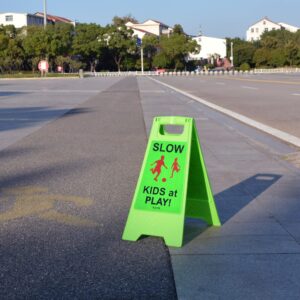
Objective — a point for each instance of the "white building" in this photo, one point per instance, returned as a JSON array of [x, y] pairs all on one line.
[[149, 27], [20, 19], [255, 31], [288, 27], [209, 47]]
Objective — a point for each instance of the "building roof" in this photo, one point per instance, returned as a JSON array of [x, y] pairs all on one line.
[[265, 18], [138, 29], [288, 25], [148, 21], [158, 22], [54, 18]]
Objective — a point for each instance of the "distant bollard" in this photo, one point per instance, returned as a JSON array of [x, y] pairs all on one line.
[[81, 73]]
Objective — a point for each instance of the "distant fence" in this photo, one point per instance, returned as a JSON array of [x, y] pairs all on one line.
[[193, 73], [277, 70]]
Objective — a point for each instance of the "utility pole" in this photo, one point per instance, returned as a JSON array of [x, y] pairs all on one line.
[[45, 14], [139, 43], [142, 59], [231, 54]]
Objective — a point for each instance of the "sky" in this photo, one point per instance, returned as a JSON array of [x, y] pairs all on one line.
[[218, 18]]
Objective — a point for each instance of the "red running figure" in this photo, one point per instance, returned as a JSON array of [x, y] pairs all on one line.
[[175, 167], [157, 169]]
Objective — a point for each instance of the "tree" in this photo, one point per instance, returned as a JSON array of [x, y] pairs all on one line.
[[292, 53], [177, 29], [36, 45], [278, 48], [88, 44], [121, 43], [121, 21], [61, 36], [161, 60], [11, 51], [174, 48], [243, 51], [150, 45], [3, 41], [262, 57]]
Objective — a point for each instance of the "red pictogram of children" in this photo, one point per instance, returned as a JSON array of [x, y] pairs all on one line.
[[175, 167], [157, 169]]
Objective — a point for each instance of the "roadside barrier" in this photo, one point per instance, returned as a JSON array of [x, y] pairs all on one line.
[[193, 73]]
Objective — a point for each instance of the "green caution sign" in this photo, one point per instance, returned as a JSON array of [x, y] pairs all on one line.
[[173, 184]]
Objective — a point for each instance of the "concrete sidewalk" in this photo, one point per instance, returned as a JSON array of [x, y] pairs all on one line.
[[256, 253]]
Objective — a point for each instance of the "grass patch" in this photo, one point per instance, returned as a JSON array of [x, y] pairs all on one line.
[[37, 75]]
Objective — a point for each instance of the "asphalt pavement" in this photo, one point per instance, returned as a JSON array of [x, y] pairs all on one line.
[[69, 165], [66, 189], [273, 100], [256, 252]]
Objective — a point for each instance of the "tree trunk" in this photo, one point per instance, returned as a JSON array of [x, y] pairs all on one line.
[[118, 62]]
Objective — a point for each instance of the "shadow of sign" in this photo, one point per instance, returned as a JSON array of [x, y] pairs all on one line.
[[230, 201]]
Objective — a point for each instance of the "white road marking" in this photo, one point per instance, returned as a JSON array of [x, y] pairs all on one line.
[[295, 94], [249, 87], [220, 83], [265, 128]]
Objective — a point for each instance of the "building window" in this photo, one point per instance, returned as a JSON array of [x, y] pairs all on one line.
[[257, 30], [9, 18], [264, 22], [266, 29], [252, 29]]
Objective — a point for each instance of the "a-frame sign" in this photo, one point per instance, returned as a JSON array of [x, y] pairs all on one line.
[[173, 184]]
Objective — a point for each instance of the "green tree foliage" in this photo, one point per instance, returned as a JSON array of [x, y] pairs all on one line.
[[279, 48], [173, 50], [244, 67], [88, 44], [121, 43], [39, 43], [113, 47], [243, 51], [177, 29], [121, 21], [36, 43], [150, 45], [11, 52], [161, 60]]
